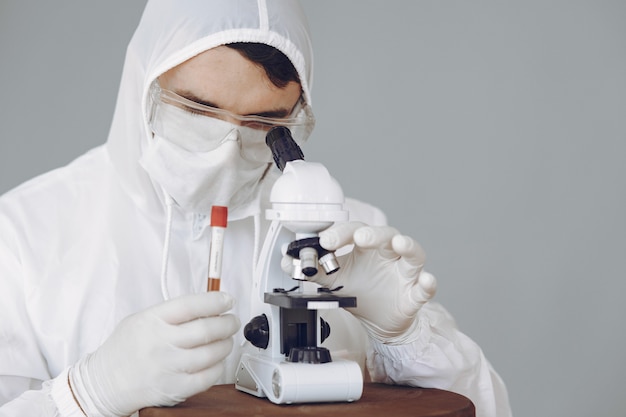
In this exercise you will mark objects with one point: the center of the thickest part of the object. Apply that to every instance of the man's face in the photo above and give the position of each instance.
(221, 77)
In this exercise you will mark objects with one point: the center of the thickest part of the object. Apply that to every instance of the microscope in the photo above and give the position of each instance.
(287, 364)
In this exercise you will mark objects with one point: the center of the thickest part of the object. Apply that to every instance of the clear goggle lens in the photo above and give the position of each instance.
(200, 128)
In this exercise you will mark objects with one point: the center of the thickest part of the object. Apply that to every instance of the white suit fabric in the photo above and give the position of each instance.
(81, 246)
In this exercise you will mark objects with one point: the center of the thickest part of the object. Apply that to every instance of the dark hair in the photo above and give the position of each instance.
(277, 66)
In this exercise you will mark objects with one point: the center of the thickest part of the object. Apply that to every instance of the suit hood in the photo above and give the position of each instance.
(173, 31)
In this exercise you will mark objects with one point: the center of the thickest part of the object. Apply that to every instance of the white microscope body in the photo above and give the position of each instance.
(289, 365)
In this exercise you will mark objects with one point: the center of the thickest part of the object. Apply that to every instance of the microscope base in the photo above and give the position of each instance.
(285, 382)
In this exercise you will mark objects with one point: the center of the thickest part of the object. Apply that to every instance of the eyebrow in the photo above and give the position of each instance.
(273, 114)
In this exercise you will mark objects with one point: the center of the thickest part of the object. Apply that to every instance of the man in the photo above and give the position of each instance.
(104, 262)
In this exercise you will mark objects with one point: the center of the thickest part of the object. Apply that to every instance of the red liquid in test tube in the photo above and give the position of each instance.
(219, 218)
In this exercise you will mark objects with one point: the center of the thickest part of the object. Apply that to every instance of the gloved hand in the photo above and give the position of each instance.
(160, 356)
(384, 272)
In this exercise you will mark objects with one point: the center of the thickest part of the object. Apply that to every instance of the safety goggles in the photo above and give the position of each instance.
(200, 128)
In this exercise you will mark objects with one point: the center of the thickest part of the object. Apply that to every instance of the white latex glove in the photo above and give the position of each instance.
(384, 272)
(160, 356)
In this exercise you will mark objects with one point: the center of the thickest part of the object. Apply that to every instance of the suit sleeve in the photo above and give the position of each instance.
(25, 382)
(440, 355)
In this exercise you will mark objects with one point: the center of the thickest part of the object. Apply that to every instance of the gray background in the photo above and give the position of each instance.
(493, 132)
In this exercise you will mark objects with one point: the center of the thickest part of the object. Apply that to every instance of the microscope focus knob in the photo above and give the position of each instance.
(325, 329)
(257, 331)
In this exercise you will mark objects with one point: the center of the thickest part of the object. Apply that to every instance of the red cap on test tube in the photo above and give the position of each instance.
(219, 216)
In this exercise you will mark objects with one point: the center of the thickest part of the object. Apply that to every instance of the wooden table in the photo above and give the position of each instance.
(377, 400)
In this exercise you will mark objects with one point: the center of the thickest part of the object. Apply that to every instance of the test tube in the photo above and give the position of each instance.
(219, 217)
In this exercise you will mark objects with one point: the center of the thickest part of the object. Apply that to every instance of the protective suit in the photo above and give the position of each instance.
(82, 247)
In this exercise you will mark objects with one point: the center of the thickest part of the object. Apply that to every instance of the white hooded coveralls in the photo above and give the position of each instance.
(81, 246)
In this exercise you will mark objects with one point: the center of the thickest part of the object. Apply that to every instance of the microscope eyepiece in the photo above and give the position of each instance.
(284, 148)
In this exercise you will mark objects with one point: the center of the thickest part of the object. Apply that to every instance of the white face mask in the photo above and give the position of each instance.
(197, 180)
(201, 159)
